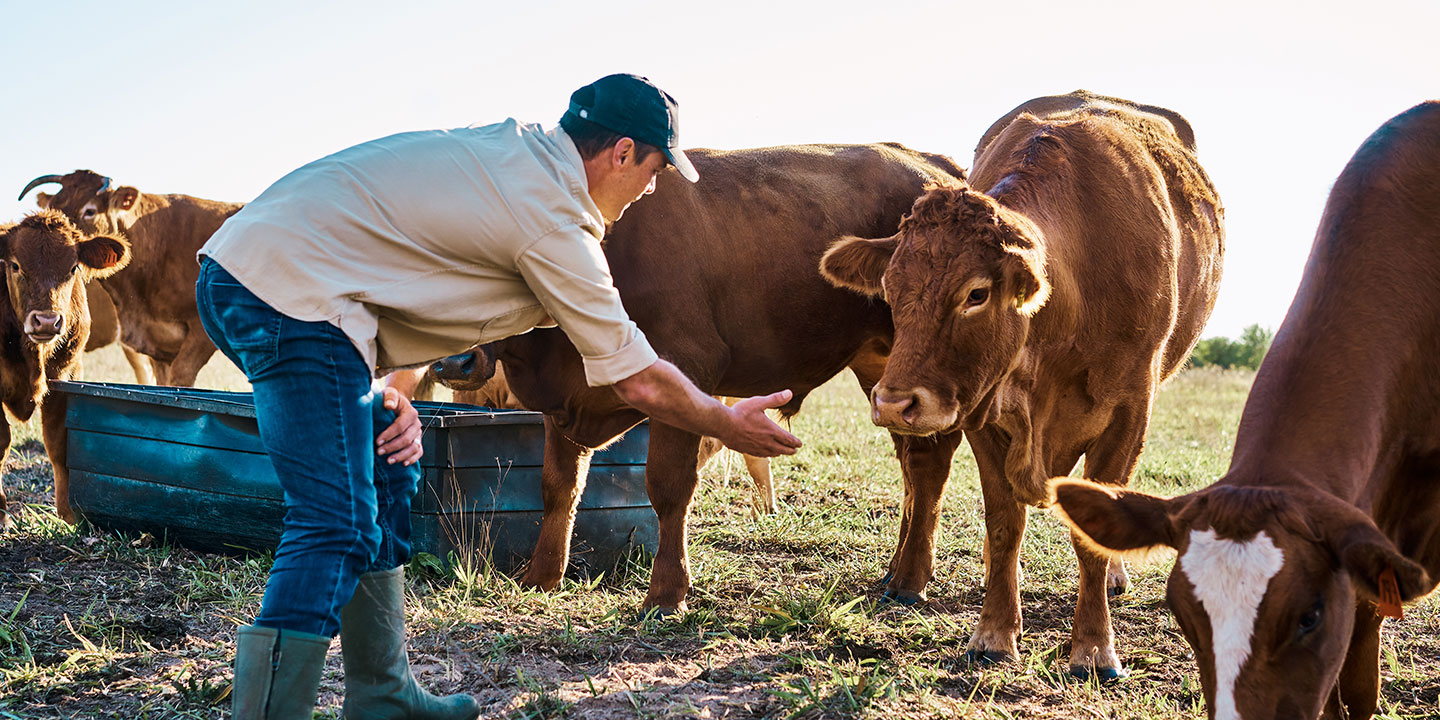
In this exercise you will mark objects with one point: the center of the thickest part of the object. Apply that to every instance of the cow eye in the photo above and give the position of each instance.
(1311, 619)
(978, 296)
(89, 212)
(75, 269)
(14, 266)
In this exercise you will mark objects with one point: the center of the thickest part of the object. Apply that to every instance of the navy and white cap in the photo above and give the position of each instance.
(634, 107)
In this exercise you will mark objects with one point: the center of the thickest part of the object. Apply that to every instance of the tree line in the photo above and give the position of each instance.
(1245, 352)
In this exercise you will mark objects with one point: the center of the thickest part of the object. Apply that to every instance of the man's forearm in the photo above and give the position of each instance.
(405, 381)
(665, 394)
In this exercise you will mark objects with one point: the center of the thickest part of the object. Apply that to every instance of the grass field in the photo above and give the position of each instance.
(782, 622)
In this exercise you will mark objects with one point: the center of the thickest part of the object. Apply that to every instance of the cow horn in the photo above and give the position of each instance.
(43, 179)
(104, 185)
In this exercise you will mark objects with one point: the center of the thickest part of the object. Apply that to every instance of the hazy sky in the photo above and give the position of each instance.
(218, 100)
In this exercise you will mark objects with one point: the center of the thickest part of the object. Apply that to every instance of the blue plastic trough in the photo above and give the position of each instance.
(187, 465)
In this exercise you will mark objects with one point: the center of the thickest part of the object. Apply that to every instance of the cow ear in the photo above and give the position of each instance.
(103, 255)
(1115, 522)
(858, 264)
(42, 200)
(1377, 569)
(124, 198)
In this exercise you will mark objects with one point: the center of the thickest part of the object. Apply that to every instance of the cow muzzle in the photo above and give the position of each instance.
(914, 411)
(42, 327)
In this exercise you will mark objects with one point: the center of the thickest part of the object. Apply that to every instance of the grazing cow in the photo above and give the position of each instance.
(1329, 516)
(155, 297)
(1036, 311)
(721, 276)
(44, 324)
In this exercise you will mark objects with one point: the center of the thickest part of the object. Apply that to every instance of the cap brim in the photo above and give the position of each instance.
(682, 164)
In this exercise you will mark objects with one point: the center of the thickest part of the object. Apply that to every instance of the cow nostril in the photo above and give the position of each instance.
(911, 410)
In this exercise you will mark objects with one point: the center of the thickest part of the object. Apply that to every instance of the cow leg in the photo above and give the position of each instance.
(192, 356)
(670, 480)
(52, 427)
(562, 480)
(925, 462)
(141, 365)
(5, 520)
(1357, 694)
(1110, 460)
(997, 635)
(763, 501)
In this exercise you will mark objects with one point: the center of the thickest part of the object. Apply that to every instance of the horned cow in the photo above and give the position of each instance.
(155, 297)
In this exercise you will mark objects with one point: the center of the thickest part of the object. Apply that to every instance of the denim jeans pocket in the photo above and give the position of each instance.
(249, 328)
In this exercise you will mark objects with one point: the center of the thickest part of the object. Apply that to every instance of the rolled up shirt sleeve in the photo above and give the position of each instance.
(567, 271)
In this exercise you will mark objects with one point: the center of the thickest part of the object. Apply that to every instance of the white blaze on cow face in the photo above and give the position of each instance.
(1230, 578)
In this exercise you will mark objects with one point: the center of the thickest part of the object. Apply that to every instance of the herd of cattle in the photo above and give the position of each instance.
(1031, 307)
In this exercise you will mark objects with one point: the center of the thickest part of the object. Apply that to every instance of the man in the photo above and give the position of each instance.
(376, 261)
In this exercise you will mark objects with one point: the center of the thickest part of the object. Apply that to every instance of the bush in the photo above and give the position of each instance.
(1246, 352)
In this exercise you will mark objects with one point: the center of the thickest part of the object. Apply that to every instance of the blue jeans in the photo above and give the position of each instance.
(347, 510)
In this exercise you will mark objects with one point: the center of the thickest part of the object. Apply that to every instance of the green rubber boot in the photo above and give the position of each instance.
(277, 673)
(378, 683)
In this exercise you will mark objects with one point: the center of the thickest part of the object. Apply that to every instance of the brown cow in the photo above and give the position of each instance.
(1036, 312)
(155, 297)
(44, 324)
(1332, 499)
(721, 277)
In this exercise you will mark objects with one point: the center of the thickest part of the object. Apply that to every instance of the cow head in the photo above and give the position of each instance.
(45, 256)
(90, 200)
(468, 371)
(963, 276)
(1265, 586)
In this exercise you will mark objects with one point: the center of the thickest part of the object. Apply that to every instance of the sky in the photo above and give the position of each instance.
(218, 100)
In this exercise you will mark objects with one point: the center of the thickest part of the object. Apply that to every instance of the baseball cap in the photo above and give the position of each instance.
(632, 106)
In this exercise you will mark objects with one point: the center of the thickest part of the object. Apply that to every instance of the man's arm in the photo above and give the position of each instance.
(665, 394)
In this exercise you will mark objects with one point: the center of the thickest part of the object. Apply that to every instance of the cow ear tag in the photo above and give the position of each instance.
(1389, 602)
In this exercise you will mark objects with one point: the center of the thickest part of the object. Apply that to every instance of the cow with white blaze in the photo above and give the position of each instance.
(1329, 516)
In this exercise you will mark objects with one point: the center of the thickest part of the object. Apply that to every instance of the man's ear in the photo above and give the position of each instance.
(42, 200)
(858, 264)
(1114, 521)
(1369, 557)
(103, 256)
(124, 198)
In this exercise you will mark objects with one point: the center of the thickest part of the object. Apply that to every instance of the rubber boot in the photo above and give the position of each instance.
(277, 673)
(378, 682)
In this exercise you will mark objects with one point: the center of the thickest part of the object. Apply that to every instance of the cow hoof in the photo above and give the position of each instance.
(898, 597)
(987, 657)
(1116, 591)
(884, 579)
(1107, 675)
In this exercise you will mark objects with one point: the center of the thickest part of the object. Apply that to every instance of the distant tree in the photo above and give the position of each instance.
(1245, 352)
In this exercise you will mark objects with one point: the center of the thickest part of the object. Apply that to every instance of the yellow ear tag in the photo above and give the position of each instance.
(1389, 603)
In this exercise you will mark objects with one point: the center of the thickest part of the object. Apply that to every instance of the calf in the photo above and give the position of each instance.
(155, 297)
(1329, 516)
(44, 325)
(1036, 311)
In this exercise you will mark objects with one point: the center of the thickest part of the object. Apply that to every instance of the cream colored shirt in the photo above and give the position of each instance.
(420, 245)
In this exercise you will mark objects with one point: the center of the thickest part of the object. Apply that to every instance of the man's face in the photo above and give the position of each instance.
(631, 180)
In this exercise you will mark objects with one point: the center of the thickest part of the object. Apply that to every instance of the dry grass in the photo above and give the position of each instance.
(783, 621)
